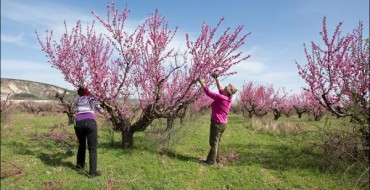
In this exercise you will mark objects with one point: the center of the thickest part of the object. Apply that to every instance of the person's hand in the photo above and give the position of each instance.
(202, 81)
(214, 75)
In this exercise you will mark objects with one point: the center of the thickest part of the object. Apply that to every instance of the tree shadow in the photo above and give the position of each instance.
(111, 145)
(42, 152)
(21, 148)
(276, 157)
(178, 156)
(56, 159)
(142, 144)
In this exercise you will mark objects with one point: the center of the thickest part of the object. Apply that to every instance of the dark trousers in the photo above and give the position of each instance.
(216, 131)
(87, 130)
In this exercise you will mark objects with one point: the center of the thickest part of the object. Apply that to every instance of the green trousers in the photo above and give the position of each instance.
(216, 131)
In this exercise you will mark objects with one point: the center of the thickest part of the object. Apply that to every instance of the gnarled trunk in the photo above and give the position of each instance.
(170, 122)
(250, 114)
(299, 114)
(277, 116)
(127, 139)
(317, 117)
(71, 119)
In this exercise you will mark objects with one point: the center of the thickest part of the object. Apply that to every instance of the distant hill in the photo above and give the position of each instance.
(24, 89)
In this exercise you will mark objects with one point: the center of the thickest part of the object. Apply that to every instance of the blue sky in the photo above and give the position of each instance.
(279, 29)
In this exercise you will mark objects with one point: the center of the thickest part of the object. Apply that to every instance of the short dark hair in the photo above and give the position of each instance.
(81, 91)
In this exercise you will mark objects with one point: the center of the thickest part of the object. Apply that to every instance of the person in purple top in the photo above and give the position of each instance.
(86, 129)
(220, 110)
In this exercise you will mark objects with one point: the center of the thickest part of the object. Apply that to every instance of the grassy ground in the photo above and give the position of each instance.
(254, 159)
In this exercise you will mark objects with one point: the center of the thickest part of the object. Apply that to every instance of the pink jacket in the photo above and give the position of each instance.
(220, 106)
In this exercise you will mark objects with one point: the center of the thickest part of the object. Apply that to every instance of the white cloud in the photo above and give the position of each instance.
(268, 66)
(48, 15)
(33, 71)
(18, 40)
(12, 38)
(290, 80)
(249, 67)
(24, 17)
(40, 14)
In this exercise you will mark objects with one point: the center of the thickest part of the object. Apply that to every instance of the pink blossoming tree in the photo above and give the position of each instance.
(5, 103)
(201, 104)
(278, 101)
(301, 102)
(314, 107)
(337, 74)
(136, 75)
(256, 99)
(288, 108)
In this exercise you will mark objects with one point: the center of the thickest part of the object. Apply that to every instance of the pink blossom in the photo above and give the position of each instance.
(337, 74)
(125, 66)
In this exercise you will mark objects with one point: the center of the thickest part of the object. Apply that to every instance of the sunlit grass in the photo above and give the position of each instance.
(265, 160)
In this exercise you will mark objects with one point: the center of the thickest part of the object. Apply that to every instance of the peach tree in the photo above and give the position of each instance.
(136, 74)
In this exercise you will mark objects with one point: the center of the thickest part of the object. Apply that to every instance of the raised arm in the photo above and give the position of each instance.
(218, 83)
(219, 86)
(211, 94)
(202, 83)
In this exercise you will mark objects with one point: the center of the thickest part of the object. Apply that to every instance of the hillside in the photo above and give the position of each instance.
(24, 89)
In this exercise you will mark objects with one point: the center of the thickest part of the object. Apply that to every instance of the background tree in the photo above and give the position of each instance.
(136, 75)
(301, 102)
(67, 106)
(337, 75)
(278, 101)
(256, 99)
(314, 107)
(288, 109)
(6, 103)
(200, 105)
(34, 107)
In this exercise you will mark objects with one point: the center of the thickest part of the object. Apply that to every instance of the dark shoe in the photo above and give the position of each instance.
(205, 162)
(78, 167)
(92, 175)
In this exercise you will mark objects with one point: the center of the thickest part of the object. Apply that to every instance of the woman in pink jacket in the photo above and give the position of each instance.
(220, 110)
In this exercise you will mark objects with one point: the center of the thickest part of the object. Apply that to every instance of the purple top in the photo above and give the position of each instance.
(82, 116)
(85, 106)
(220, 106)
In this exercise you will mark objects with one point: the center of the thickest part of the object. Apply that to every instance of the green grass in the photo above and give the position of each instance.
(266, 160)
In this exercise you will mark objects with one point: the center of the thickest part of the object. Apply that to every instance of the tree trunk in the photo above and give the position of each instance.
(170, 122)
(276, 116)
(250, 114)
(71, 119)
(127, 139)
(368, 144)
(299, 115)
(367, 141)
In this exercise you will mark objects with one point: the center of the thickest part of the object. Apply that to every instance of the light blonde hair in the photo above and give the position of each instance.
(231, 89)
